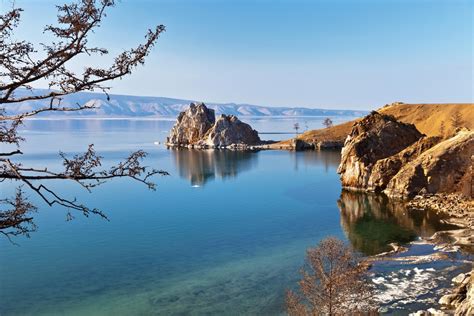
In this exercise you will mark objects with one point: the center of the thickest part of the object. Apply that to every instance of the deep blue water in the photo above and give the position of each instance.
(225, 233)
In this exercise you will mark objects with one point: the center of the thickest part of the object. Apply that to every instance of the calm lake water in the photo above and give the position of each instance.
(224, 234)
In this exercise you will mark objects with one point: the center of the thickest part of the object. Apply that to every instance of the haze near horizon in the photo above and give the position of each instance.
(317, 54)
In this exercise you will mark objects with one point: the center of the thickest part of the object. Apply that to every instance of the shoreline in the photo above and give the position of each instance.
(446, 244)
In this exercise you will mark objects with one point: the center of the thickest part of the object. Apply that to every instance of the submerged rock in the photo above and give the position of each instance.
(197, 128)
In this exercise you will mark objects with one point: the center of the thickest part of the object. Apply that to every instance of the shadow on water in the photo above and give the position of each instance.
(372, 221)
(202, 166)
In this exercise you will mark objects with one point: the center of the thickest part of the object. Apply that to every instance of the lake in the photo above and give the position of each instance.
(224, 233)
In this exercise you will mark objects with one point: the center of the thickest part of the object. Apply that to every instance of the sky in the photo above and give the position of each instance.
(319, 54)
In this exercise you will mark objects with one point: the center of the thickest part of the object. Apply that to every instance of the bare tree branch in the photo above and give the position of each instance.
(21, 66)
(333, 283)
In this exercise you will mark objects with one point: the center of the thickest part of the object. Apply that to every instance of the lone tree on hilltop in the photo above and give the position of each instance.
(327, 122)
(22, 65)
(333, 282)
(296, 127)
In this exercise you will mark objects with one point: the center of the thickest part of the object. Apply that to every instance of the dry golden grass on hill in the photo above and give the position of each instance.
(430, 119)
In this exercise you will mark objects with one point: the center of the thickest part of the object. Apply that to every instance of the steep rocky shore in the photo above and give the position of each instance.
(198, 128)
(430, 119)
(382, 154)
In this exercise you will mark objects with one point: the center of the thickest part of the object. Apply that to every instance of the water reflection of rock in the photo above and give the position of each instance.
(328, 158)
(200, 166)
(373, 221)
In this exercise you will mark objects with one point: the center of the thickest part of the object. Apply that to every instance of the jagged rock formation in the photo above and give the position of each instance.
(444, 168)
(382, 154)
(197, 128)
(373, 138)
(385, 169)
(192, 125)
(462, 298)
(229, 130)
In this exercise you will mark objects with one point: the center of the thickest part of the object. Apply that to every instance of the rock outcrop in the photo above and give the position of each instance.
(385, 169)
(192, 125)
(373, 138)
(197, 127)
(384, 155)
(229, 130)
(444, 168)
(462, 298)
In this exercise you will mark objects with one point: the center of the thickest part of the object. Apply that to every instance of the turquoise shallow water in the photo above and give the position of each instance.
(225, 233)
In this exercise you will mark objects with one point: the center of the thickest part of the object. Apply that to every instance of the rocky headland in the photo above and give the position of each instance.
(430, 119)
(198, 128)
(384, 155)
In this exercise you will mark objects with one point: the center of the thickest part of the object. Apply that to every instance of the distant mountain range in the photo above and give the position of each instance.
(137, 106)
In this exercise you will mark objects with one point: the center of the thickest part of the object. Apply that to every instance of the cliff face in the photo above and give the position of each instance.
(373, 138)
(444, 168)
(385, 169)
(198, 127)
(382, 154)
(192, 124)
(229, 130)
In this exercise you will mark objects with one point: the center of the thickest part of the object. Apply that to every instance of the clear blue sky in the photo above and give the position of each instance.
(332, 54)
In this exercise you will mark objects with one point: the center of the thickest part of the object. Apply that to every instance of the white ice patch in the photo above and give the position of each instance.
(405, 286)
(378, 280)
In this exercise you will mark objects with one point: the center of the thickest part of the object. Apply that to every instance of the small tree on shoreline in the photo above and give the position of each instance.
(333, 282)
(327, 122)
(296, 127)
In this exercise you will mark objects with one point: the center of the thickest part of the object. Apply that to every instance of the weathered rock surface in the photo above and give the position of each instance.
(197, 128)
(191, 125)
(462, 297)
(328, 144)
(466, 305)
(382, 154)
(444, 168)
(384, 169)
(229, 130)
(373, 138)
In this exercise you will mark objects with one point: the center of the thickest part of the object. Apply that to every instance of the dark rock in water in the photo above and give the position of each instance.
(197, 128)
(373, 138)
(329, 144)
(298, 144)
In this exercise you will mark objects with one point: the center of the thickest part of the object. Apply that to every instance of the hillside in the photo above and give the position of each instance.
(428, 119)
(143, 106)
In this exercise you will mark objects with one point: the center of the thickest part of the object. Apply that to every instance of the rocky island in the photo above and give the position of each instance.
(198, 128)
